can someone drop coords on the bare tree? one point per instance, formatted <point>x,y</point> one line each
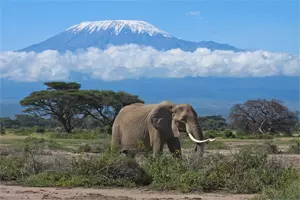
<point>264,116</point>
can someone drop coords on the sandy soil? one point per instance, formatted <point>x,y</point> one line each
<point>30,193</point>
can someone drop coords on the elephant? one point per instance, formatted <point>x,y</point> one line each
<point>153,126</point>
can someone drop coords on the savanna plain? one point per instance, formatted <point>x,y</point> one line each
<point>48,164</point>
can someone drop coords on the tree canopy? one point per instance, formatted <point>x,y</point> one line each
<point>69,105</point>
<point>105,105</point>
<point>213,122</point>
<point>264,116</point>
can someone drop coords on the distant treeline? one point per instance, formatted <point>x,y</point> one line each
<point>66,106</point>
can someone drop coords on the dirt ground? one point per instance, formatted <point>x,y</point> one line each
<point>33,193</point>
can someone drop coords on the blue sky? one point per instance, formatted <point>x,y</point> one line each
<point>271,25</point>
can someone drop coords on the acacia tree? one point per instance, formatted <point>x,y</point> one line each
<point>60,101</point>
<point>105,105</point>
<point>264,116</point>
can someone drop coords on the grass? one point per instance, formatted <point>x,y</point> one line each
<point>294,147</point>
<point>54,141</point>
<point>187,143</point>
<point>287,192</point>
<point>244,172</point>
<point>247,171</point>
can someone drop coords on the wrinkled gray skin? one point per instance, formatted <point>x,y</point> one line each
<point>153,126</point>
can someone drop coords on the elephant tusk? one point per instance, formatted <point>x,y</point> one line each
<point>200,141</point>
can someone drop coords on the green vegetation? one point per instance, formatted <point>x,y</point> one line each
<point>64,142</point>
<point>287,192</point>
<point>294,148</point>
<point>248,171</point>
<point>67,105</point>
<point>214,122</point>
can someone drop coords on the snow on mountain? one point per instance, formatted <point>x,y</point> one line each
<point>101,34</point>
<point>118,26</point>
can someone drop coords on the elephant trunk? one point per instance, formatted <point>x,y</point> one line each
<point>196,135</point>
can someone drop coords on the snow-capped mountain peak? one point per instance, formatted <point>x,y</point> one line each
<point>101,34</point>
<point>134,26</point>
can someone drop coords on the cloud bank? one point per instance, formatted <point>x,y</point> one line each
<point>131,61</point>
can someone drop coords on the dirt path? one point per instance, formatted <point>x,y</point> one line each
<point>31,193</point>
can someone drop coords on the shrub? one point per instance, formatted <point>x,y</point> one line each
<point>55,179</point>
<point>40,130</point>
<point>111,169</point>
<point>229,134</point>
<point>248,171</point>
<point>244,172</point>
<point>11,168</point>
<point>288,192</point>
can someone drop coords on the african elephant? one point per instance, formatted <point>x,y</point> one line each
<point>153,125</point>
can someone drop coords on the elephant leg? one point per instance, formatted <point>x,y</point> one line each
<point>158,147</point>
<point>174,147</point>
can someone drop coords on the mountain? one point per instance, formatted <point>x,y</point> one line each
<point>101,34</point>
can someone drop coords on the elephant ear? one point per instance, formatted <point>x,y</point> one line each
<point>161,118</point>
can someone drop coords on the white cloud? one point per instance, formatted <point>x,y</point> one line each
<point>193,13</point>
<point>130,61</point>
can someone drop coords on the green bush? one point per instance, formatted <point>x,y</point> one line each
<point>287,192</point>
<point>11,168</point>
<point>229,134</point>
<point>113,168</point>
<point>40,130</point>
<point>244,172</point>
<point>55,179</point>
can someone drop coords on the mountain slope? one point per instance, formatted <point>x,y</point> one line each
<point>101,34</point>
